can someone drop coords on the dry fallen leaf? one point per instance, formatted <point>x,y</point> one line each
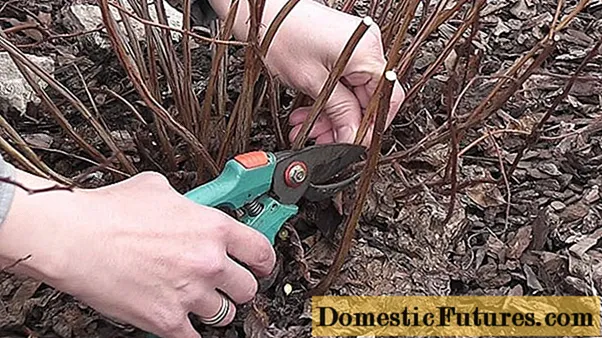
<point>520,242</point>
<point>581,247</point>
<point>485,195</point>
<point>532,280</point>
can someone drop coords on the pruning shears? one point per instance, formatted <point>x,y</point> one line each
<point>263,188</point>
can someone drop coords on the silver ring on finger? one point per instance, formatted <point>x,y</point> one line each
<point>221,313</point>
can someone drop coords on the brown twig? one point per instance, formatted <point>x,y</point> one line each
<point>31,191</point>
<point>275,25</point>
<point>274,111</point>
<point>83,159</point>
<point>218,57</point>
<point>14,135</point>
<point>118,46</point>
<point>136,48</point>
<point>331,82</point>
<point>90,98</point>
<point>24,27</point>
<point>8,148</point>
<point>454,144</point>
<point>60,36</point>
<point>547,43</point>
<point>175,29</point>
<point>394,54</point>
<point>505,177</point>
<point>441,135</point>
<point>395,57</point>
<point>386,10</point>
<point>241,117</point>
<point>443,55</point>
<point>384,98</point>
<point>167,60</point>
<point>53,109</point>
<point>244,111</point>
<point>252,75</point>
<point>398,27</point>
<point>348,6</point>
<point>188,94</point>
<point>6,4</point>
<point>121,99</point>
<point>536,130</point>
<point>486,135</point>
<point>438,17</point>
<point>16,262</point>
<point>20,59</point>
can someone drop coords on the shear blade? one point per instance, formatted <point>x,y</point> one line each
<point>324,162</point>
<point>319,192</point>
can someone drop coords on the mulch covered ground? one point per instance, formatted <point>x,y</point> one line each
<point>546,243</point>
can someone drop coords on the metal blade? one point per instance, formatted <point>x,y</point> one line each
<point>319,192</point>
<point>329,162</point>
<point>323,163</point>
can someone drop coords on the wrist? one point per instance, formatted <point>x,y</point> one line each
<point>37,226</point>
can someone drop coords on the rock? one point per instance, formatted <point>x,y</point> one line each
<point>89,17</point>
<point>557,205</point>
<point>15,91</point>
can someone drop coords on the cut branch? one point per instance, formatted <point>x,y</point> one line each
<point>384,98</point>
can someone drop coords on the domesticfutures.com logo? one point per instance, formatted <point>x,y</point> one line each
<point>455,316</point>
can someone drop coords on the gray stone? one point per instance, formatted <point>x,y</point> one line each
<point>15,91</point>
<point>557,205</point>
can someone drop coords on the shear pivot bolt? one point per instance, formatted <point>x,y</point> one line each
<point>296,174</point>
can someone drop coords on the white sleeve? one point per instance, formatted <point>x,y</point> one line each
<point>7,190</point>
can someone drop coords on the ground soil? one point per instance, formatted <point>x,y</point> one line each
<point>548,243</point>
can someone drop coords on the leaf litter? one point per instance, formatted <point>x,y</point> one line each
<point>548,244</point>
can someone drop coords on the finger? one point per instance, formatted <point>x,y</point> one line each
<point>344,112</point>
<point>298,115</point>
<point>321,126</point>
<point>250,247</point>
<point>362,95</point>
<point>327,137</point>
<point>358,81</point>
<point>237,282</point>
<point>397,98</point>
<point>214,309</point>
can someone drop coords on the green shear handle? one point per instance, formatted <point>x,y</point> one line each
<point>242,185</point>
